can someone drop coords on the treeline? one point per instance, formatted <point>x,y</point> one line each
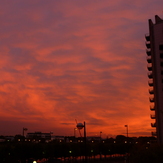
<point>23,152</point>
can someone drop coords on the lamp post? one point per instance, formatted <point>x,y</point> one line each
<point>75,132</point>
<point>24,129</point>
<point>80,126</point>
<point>100,135</point>
<point>126,130</point>
<point>100,144</point>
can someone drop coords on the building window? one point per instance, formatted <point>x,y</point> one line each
<point>161,55</point>
<point>161,64</point>
<point>161,47</point>
<point>161,72</point>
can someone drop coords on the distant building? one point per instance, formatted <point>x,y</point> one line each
<point>39,136</point>
<point>94,138</point>
<point>154,44</point>
<point>58,138</point>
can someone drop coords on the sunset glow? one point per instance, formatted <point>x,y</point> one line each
<point>75,59</point>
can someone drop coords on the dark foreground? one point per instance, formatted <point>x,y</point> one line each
<point>119,159</point>
<point>119,150</point>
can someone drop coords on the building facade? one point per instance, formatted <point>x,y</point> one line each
<point>38,136</point>
<point>154,44</point>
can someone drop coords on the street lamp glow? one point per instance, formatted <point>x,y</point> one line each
<point>34,161</point>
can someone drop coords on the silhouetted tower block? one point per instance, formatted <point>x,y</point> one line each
<point>154,44</point>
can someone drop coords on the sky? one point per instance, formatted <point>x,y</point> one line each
<point>68,60</point>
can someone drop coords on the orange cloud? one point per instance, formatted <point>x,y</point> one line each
<point>74,60</point>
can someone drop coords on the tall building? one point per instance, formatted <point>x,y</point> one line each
<point>154,44</point>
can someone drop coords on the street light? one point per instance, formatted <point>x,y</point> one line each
<point>24,129</point>
<point>100,135</point>
<point>126,130</point>
<point>100,144</point>
<point>75,132</point>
